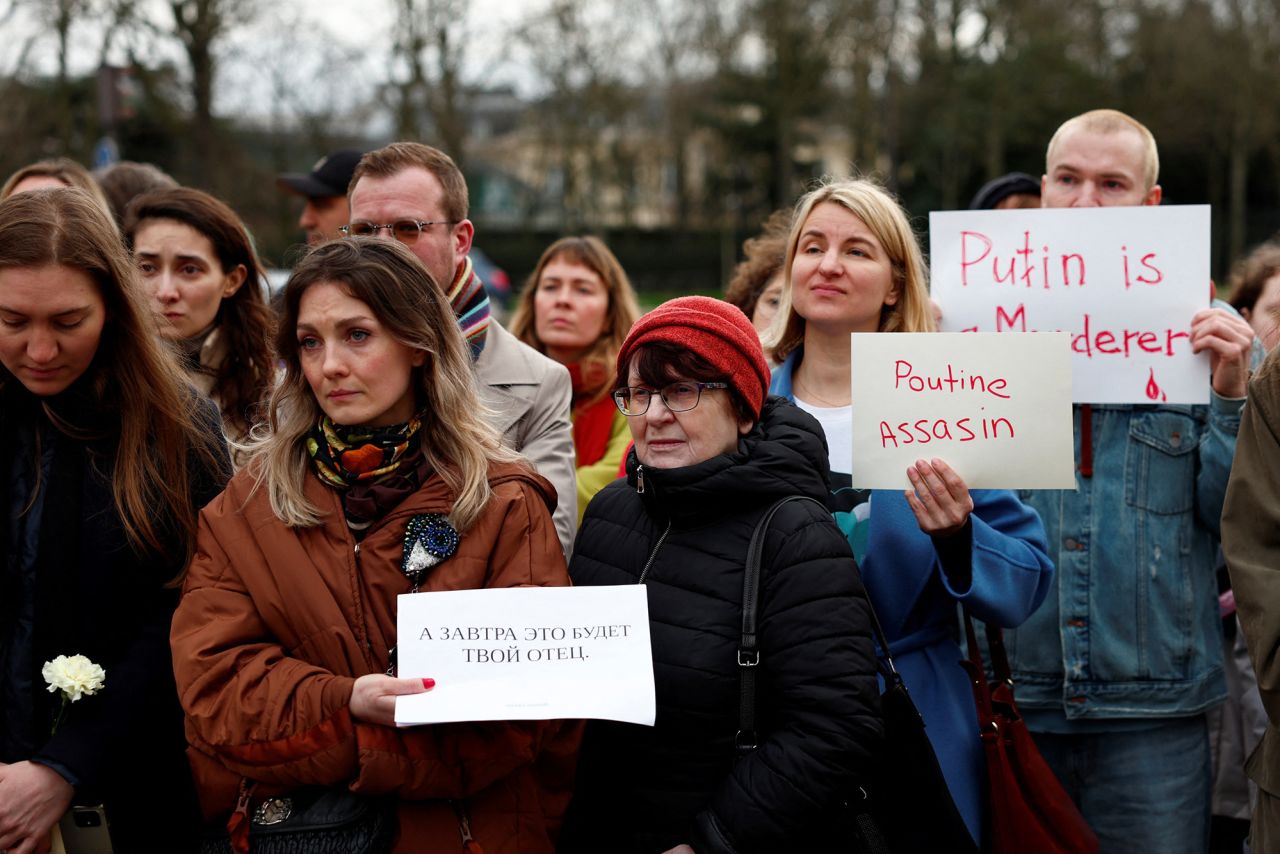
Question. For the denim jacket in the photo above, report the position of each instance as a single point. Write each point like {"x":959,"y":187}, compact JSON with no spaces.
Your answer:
{"x":1131,"y":629}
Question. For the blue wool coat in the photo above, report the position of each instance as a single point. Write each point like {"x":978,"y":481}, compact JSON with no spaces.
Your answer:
{"x":915,"y":592}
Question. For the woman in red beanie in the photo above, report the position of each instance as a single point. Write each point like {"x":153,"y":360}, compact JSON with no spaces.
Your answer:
{"x":711,"y":455}
{"x":577,"y":308}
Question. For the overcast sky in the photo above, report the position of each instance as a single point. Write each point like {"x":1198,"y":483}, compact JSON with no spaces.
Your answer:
{"x":332,"y":50}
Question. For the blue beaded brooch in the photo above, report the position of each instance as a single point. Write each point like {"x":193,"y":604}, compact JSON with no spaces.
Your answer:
{"x":428,"y":540}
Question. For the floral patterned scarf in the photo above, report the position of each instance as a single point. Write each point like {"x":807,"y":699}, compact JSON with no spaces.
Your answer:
{"x":375,"y":468}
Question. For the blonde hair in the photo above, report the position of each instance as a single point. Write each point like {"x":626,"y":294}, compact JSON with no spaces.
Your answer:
{"x":621,"y":315}
{"x":881,"y":213}
{"x":132,"y":378}
{"x":1108,"y":122}
{"x":62,"y":169}
{"x":456,"y":439}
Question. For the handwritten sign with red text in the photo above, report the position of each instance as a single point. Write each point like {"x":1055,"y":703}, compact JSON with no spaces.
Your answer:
{"x":996,"y":408}
{"x":1125,"y":282}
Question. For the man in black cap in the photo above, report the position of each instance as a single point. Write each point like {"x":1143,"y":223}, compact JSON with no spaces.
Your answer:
{"x":1015,"y":190}
{"x":325,"y":189}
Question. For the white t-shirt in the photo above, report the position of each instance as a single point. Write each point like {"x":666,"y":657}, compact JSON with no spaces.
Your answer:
{"x":837,"y":423}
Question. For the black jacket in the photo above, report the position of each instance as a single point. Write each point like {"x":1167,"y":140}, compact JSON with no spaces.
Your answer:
{"x":72,"y":584}
{"x":643,"y":789}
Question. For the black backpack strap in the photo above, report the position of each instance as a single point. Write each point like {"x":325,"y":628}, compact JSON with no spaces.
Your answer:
{"x":748,"y":650}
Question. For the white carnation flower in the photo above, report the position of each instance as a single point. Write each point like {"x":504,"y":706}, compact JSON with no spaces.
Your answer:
{"x":74,"y":675}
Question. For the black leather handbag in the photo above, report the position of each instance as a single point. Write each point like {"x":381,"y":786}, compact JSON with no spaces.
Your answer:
{"x":309,"y":821}
{"x":906,"y":807}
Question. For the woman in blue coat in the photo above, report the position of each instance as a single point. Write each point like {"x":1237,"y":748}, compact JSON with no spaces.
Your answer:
{"x":853,"y":265}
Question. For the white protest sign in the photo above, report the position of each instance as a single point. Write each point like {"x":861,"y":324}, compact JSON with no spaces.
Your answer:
{"x":1124,"y":281}
{"x":527,"y":653}
{"x":996,"y":408}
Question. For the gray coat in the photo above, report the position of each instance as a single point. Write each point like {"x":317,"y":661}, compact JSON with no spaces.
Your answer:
{"x":529,"y":397}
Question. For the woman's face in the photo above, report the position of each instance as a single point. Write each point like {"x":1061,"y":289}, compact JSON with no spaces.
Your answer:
{"x":841,"y":276}
{"x":767,"y":305}
{"x":569,"y":308}
{"x":1264,"y":317}
{"x":359,"y":373}
{"x":668,"y":440}
{"x":51,"y":321}
{"x":183,"y":276}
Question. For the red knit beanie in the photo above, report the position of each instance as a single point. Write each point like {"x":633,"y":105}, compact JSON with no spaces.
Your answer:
{"x":714,"y":330}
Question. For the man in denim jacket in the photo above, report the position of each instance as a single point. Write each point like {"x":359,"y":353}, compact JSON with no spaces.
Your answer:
{"x":1117,"y":668}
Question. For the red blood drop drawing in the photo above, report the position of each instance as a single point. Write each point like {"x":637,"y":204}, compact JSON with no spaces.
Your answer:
{"x":1154,"y":391}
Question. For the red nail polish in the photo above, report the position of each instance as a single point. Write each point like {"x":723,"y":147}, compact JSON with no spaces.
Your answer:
{"x":428,"y":683}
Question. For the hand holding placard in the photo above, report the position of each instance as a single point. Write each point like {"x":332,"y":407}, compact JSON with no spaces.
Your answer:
{"x":373,"y":697}
{"x":1228,"y":339}
{"x":939,"y":497}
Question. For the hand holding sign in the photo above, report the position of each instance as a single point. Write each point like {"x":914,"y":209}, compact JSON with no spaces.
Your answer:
{"x":938,"y":497}
{"x":373,"y":697}
{"x":1229,"y":340}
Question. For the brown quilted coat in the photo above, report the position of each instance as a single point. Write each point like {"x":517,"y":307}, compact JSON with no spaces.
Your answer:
{"x":276,"y":623}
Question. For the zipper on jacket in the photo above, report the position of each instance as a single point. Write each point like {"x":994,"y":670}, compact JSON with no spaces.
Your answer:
{"x":640,"y":478}
{"x":654,"y":553}
{"x":469,"y":844}
{"x":368,"y":645}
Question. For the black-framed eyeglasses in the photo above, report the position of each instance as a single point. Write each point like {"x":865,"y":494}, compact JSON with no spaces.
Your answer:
{"x":678,"y":397}
{"x":407,"y":231}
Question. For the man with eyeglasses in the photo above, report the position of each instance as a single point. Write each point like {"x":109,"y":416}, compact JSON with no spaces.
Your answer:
{"x":416,"y":194}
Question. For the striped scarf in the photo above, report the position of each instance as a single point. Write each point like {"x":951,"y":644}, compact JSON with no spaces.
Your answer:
{"x":470,"y":303}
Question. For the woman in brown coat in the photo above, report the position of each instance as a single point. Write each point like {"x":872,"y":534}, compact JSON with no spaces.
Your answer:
{"x":376,"y":444}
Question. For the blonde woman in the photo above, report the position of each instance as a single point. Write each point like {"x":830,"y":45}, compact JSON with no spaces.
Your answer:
{"x":378,"y":476}
{"x":577,"y":308}
{"x":853,"y":265}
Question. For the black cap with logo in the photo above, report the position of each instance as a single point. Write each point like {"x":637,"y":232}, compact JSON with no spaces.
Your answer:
{"x":329,"y":177}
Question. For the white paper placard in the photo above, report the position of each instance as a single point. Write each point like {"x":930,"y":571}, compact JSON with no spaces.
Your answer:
{"x":1124,"y":281}
{"x":527,"y":653}
{"x":996,"y":408}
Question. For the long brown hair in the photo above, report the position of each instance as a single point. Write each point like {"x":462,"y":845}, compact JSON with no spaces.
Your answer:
{"x":456,"y":438}
{"x":133,"y":379}
{"x":621,"y":315}
{"x":244,"y":321}
{"x":63,"y":169}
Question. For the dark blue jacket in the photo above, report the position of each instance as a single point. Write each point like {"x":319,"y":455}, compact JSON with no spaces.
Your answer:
{"x":642,"y":789}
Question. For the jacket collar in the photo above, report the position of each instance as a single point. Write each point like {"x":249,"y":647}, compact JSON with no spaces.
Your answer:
{"x":785,"y":453}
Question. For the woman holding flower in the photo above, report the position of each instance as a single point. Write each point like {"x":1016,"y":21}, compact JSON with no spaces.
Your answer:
{"x":105,"y":459}
{"x":378,"y":476}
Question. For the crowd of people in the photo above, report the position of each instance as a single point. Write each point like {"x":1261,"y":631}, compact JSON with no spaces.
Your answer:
{"x":217,"y":497}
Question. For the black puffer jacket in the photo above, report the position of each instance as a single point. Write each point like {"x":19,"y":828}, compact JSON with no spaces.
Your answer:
{"x":642,"y":789}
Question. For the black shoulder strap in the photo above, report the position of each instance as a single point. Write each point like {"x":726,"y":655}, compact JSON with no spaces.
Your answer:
{"x":748,"y":651}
